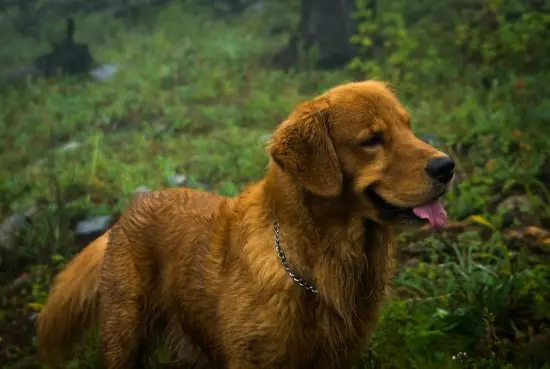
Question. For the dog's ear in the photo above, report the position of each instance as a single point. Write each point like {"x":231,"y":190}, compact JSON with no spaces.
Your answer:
{"x":302,"y":147}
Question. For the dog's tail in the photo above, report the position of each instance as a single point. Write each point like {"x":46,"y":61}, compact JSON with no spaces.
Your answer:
{"x":72,"y":305}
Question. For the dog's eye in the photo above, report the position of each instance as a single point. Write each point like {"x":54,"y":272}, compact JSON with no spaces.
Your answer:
{"x":373,"y":141}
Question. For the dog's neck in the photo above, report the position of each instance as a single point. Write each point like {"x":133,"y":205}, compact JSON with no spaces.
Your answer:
{"x":350,"y":259}
{"x":292,"y":204}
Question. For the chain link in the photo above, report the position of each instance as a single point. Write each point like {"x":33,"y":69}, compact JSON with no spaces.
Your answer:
{"x":302,"y":282}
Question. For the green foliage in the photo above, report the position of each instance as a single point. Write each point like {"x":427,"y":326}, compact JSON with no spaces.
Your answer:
{"x":505,"y":35}
{"x":465,"y":304}
{"x":430,"y":42}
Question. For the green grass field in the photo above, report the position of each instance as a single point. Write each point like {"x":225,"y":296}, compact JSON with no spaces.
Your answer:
{"x":195,"y":96}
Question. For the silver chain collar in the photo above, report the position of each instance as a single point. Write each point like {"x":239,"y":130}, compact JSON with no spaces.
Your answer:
{"x":302,"y":282}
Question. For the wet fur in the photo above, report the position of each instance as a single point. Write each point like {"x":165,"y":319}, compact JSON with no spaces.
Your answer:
{"x":201,"y":271}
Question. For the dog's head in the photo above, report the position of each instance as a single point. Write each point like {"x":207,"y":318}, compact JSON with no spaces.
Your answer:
{"x":355,"y":141}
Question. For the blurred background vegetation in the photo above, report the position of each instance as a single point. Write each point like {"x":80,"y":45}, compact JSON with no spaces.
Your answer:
{"x":184,"y":93}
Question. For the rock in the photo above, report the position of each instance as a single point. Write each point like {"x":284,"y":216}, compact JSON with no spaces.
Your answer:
{"x":11,"y":225}
{"x":522,"y":208}
{"x":176,"y":180}
{"x":513,"y":203}
{"x":69,"y":146}
{"x":140,"y":190}
{"x":95,"y":225}
{"x":104,"y":72}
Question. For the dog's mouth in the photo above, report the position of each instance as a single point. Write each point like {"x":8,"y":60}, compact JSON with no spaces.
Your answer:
{"x":432,"y":211}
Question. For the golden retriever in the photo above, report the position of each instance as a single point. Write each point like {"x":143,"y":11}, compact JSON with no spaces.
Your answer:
{"x":288,"y":274}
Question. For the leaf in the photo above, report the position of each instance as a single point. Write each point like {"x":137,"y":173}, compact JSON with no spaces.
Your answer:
{"x":36,"y":306}
{"x":508,"y":184}
{"x":480,"y":220}
{"x":440,"y":313}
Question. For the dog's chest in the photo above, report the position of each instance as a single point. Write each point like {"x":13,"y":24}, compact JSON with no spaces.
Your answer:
{"x":339,"y":337}
{"x":317,"y":337}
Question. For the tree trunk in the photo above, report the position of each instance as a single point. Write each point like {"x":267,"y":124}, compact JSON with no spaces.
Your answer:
{"x":327,"y":25}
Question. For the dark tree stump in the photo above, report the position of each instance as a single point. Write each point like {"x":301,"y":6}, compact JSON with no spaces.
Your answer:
{"x":327,"y":25}
{"x":67,"y":56}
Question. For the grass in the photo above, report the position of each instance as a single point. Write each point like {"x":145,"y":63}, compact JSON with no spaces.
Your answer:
{"x":195,"y":96}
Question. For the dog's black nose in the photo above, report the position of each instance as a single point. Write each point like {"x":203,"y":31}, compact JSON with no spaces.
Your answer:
{"x":441,"y":169}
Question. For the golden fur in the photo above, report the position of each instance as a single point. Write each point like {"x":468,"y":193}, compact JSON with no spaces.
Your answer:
{"x":201,"y":272}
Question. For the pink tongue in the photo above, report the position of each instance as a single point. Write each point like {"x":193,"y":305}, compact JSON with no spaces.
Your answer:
{"x":434,"y":212}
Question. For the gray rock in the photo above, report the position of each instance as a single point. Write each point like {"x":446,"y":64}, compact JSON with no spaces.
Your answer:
{"x":69,"y":146}
{"x":516,"y":203}
{"x":104,"y":72}
{"x":93,"y":225}
{"x":11,"y":225}
{"x":141,"y":189}
{"x":176,"y":180}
